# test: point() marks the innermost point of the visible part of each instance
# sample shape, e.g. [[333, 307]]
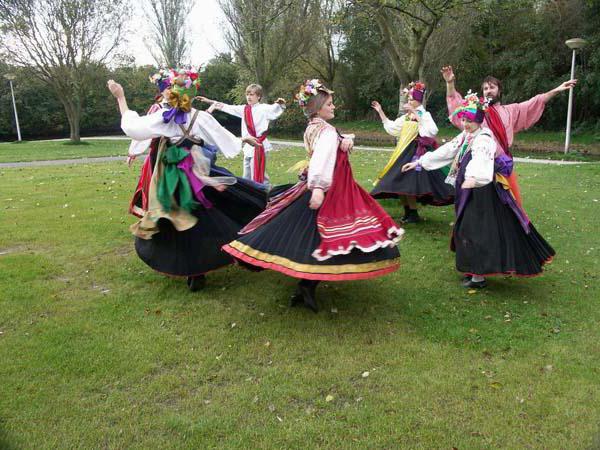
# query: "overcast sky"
[[205, 34]]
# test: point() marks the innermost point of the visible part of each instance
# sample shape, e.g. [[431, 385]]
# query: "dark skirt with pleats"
[[429, 187], [489, 239], [198, 250], [287, 241]]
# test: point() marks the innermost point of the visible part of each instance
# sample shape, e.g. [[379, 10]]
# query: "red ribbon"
[[495, 123], [258, 172]]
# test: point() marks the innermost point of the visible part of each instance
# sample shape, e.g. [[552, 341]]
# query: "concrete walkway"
[[277, 143]]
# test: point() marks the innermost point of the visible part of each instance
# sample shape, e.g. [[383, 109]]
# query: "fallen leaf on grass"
[[472, 291], [547, 369], [495, 384], [365, 374], [329, 398]]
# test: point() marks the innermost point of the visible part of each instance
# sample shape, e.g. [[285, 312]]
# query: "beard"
[[492, 100]]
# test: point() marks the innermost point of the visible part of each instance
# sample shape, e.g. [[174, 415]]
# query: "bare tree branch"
[[59, 40]]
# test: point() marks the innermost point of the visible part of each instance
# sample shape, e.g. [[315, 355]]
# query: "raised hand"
[[448, 74], [115, 89], [376, 106], [280, 100], [566, 85]]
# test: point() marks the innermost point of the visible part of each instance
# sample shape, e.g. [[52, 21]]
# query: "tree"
[[323, 57], [268, 37], [168, 44], [407, 28], [60, 42]]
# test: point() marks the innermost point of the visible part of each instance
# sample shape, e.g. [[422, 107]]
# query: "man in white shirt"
[[255, 117]]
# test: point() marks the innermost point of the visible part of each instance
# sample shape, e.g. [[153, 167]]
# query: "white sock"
[[477, 278]]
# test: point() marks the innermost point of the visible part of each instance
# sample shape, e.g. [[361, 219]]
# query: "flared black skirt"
[[428, 186], [198, 250], [489, 239], [287, 241]]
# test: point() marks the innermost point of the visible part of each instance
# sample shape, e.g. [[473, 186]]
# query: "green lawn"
[[47, 150], [98, 351]]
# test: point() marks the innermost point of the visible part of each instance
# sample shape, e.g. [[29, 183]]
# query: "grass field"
[[52, 150], [98, 351]]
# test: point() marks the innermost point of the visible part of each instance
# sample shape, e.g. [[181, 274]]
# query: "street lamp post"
[[10, 77], [573, 44]]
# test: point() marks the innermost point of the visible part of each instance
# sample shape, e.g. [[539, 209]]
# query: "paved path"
[[276, 143]]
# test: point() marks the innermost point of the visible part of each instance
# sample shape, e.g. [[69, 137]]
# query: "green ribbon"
[[173, 178]]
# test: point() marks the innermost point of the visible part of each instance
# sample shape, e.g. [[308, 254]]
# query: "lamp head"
[[576, 43]]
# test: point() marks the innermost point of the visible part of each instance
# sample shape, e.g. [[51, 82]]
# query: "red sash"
[[497, 127], [258, 172], [143, 187], [350, 218]]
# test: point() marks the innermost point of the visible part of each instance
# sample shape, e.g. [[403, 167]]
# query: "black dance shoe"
[[307, 288], [196, 283], [475, 284], [296, 299], [466, 279], [406, 213], [412, 217]]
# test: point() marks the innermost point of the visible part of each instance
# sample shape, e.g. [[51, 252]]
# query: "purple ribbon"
[[180, 116], [502, 165], [186, 165], [422, 144]]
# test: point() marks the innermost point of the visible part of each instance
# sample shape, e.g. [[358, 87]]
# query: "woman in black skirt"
[[325, 227], [416, 133], [193, 207], [492, 234]]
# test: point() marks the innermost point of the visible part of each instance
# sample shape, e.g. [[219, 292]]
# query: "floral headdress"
[[310, 88], [472, 107], [183, 81], [184, 84], [416, 89]]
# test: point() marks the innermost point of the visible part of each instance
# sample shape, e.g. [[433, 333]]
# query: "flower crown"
[[309, 89], [473, 102], [416, 89], [183, 81], [472, 107]]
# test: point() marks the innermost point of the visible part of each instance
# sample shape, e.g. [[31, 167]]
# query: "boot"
[[406, 213], [196, 283], [412, 216], [308, 288], [297, 298]]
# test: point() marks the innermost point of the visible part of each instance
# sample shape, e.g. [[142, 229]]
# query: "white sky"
[[205, 25]]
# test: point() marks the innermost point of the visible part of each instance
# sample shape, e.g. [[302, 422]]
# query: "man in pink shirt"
[[503, 120]]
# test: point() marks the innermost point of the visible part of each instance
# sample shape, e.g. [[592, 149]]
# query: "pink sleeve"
[[526, 114], [155, 107], [453, 101]]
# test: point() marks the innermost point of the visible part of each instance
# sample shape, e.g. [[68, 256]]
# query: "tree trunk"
[[73, 113]]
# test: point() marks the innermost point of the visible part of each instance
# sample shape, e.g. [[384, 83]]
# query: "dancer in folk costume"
[[502, 120], [255, 117], [139, 202], [193, 207], [326, 227], [492, 234], [416, 133]]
